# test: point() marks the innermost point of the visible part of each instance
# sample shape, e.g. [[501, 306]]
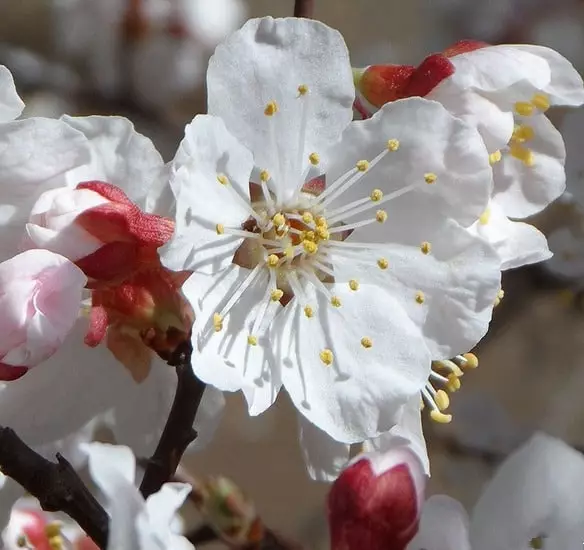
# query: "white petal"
[[495, 68], [494, 124], [208, 418], [443, 526], [163, 506], [324, 457], [267, 60], [35, 155], [207, 152], [52, 401], [523, 190], [458, 279], [568, 258], [10, 104], [10, 492], [119, 156], [516, 243], [565, 87], [407, 431], [138, 419], [113, 469], [431, 141], [359, 394], [225, 359], [539, 486]]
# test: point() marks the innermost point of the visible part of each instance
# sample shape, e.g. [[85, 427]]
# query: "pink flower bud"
[[40, 296], [52, 224], [376, 502]]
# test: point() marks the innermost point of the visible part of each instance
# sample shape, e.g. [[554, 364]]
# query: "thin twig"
[[56, 485], [304, 8], [178, 432]]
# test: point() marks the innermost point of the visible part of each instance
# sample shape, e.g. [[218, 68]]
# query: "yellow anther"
[[523, 133], [53, 529], [326, 356], [442, 400], [354, 284], [376, 195], [309, 235], [303, 89], [336, 301], [310, 247], [420, 298], [485, 217], [426, 247], [321, 221], [276, 295], [220, 228], [264, 176], [308, 311], [57, 543], [524, 108], [22, 541], [217, 322], [500, 296], [472, 361], [381, 216], [252, 340], [366, 342], [279, 219], [382, 263], [440, 417], [430, 178], [393, 144], [323, 233], [272, 260], [495, 157], [454, 383], [271, 108], [307, 217], [314, 158], [222, 179], [362, 165], [541, 102], [522, 153]]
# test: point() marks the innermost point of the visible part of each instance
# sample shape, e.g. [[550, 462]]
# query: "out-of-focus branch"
[[304, 8], [56, 485], [178, 432]]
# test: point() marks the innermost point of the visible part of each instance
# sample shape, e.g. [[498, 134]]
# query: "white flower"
[[78, 383], [157, 48], [135, 524], [297, 279], [504, 91], [534, 501]]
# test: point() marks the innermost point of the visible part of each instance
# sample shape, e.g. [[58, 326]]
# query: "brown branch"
[[304, 8], [178, 432], [56, 485]]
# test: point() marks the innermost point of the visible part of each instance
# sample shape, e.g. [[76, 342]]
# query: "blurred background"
[[146, 59]]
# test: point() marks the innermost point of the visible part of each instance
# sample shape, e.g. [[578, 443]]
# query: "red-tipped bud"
[[376, 502]]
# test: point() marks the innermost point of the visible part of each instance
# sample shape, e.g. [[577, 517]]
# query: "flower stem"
[[56, 485], [178, 432], [304, 8]]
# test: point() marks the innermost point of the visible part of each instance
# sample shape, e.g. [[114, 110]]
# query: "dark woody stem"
[[178, 432], [304, 8], [56, 485]]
